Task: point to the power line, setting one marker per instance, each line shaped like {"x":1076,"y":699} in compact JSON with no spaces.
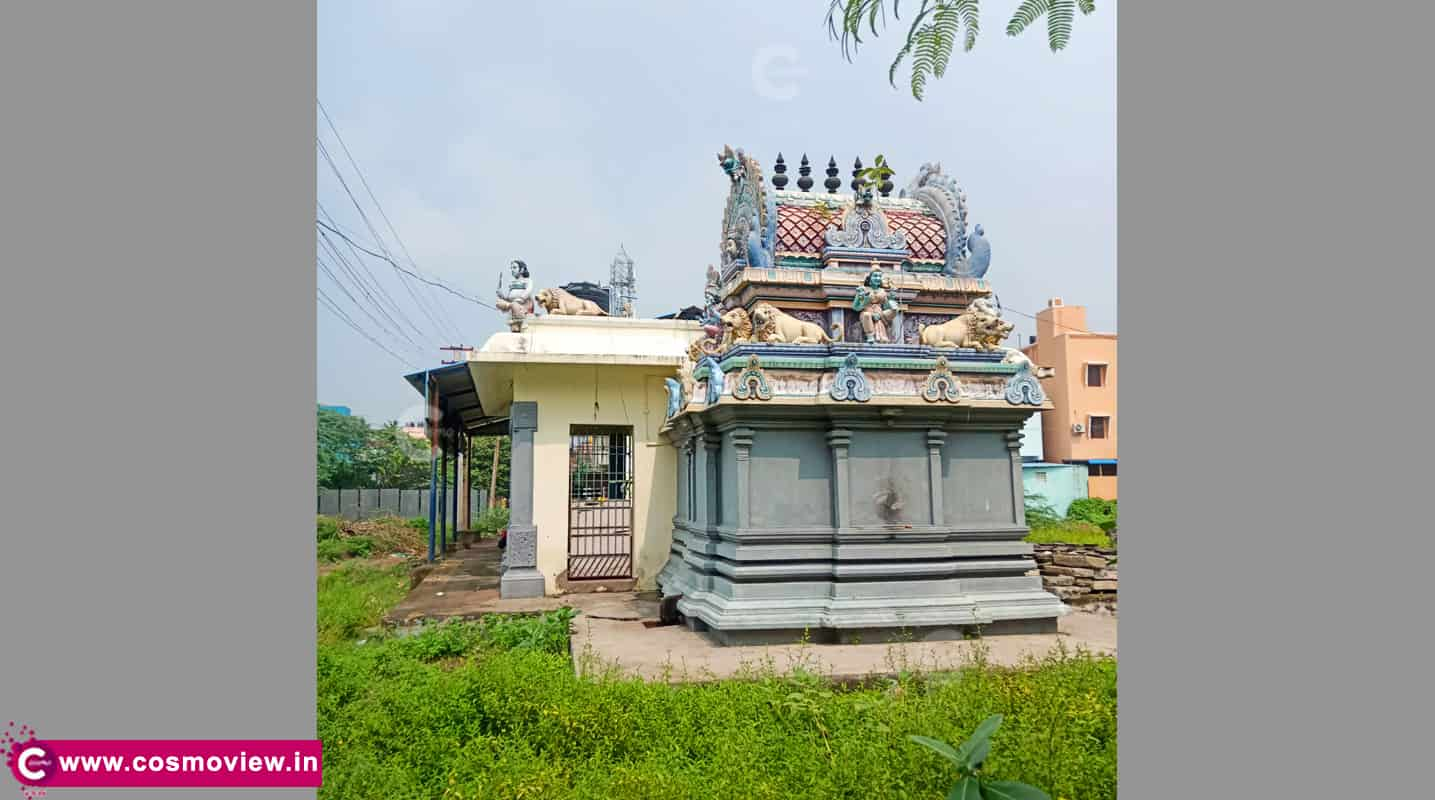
{"x":363,"y":263}
{"x":336,"y":311}
{"x":377,"y":204}
{"x":327,"y":271}
{"x":377,"y":238}
{"x":378,"y":286}
{"x":396,"y":265}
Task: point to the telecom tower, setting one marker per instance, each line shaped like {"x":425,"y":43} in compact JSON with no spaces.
{"x":623,"y":286}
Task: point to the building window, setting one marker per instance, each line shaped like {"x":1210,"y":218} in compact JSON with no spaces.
{"x":1041,"y":477}
{"x":1099,"y":427}
{"x":1095,"y":374}
{"x":1101,"y":470}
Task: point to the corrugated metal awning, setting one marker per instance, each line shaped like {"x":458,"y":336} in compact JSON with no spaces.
{"x":458,"y":397}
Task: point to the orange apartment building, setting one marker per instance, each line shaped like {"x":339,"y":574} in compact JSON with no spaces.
{"x":1082,"y":428}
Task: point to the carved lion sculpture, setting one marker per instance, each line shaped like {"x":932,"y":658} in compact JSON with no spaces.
{"x":775,"y":325}
{"x":737,"y":328}
{"x":1015,"y":356}
{"x":978,"y":327}
{"x":558,"y":301}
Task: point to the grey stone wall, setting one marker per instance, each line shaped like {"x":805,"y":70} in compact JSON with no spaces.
{"x":1076,"y":571}
{"x":406,"y":503}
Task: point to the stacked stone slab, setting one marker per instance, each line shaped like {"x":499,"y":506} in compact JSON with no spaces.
{"x":1076,"y":571}
{"x":839,"y":520}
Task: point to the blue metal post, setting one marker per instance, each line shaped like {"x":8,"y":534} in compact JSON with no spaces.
{"x":433,"y":459}
{"x":443,"y":494}
{"x":457,"y":480}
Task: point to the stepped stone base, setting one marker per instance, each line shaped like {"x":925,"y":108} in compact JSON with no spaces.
{"x":871,"y":520}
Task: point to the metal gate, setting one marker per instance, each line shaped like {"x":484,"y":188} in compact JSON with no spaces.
{"x":600,"y":502}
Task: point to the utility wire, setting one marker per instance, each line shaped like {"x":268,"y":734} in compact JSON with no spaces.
{"x":396,"y":265}
{"x":377,"y":238}
{"x":378,"y":205}
{"x":364,"y":264}
{"x":327,"y":271}
{"x":343,"y":262}
{"x":336,"y":311}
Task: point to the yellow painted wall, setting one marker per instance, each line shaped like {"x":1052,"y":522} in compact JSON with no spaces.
{"x":625,"y":395}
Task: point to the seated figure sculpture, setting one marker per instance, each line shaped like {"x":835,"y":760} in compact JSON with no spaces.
{"x":875,"y":306}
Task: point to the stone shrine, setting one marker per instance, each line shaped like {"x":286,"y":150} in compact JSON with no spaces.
{"x":848,"y":427}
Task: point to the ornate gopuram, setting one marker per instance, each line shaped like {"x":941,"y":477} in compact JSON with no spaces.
{"x":849,"y":425}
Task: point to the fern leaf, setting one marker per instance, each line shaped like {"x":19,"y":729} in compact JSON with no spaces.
{"x":1028,"y":12}
{"x":946,"y":24}
{"x":897,"y":62}
{"x":924,"y":57}
{"x":969,"y":11}
{"x":1058,"y":23}
{"x":1086,"y":6}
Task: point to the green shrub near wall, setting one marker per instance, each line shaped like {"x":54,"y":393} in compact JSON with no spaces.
{"x":1095,"y":510}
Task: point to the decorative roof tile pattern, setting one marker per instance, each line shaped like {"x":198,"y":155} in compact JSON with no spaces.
{"x":926,"y":235}
{"x":800,"y":230}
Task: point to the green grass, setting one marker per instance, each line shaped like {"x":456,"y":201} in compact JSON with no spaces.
{"x":355,"y":596}
{"x":1069,"y":532}
{"x":493,"y":709}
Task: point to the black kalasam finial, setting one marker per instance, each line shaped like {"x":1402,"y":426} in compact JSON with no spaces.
{"x":833,"y":183}
{"x":886,"y":187}
{"x":804,"y":171}
{"x":857,"y":180}
{"x":779,"y":173}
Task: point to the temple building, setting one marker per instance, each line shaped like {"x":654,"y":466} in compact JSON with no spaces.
{"x":831,"y":450}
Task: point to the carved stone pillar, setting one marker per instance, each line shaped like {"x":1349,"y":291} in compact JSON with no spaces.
{"x":521,"y":578}
{"x":839,"y":439}
{"x":1018,"y":492}
{"x":741,"y":439}
{"x":711,"y":442}
{"x":701,"y":465}
{"x":936,"y":437}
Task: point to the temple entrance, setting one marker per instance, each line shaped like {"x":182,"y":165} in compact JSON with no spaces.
{"x":600,"y":502}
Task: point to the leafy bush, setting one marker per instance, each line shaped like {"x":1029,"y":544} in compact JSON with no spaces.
{"x":1069,"y":532}
{"x":443,"y":640}
{"x":356,"y":596}
{"x":326,"y":529}
{"x":1095,"y":510}
{"x":330,"y":550}
{"x":969,"y":757}
{"x":491,"y":520}
{"x":545,"y":633}
{"x":1040,"y":512}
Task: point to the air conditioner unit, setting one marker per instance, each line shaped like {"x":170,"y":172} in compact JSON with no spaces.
{"x":1078,"y":428}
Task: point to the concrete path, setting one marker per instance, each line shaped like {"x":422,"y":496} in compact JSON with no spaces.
{"x":675,"y":654}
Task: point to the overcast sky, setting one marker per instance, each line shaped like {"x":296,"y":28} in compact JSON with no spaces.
{"x":553,"y":132}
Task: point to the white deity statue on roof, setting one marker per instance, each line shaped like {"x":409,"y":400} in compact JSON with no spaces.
{"x":517,"y":300}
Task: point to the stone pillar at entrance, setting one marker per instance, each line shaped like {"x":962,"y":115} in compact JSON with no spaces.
{"x":521,"y":577}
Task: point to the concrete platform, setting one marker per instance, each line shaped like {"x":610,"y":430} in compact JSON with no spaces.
{"x":465,"y":586}
{"x":676,"y":654}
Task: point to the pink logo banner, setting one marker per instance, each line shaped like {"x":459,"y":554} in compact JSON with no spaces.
{"x":162,"y":763}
